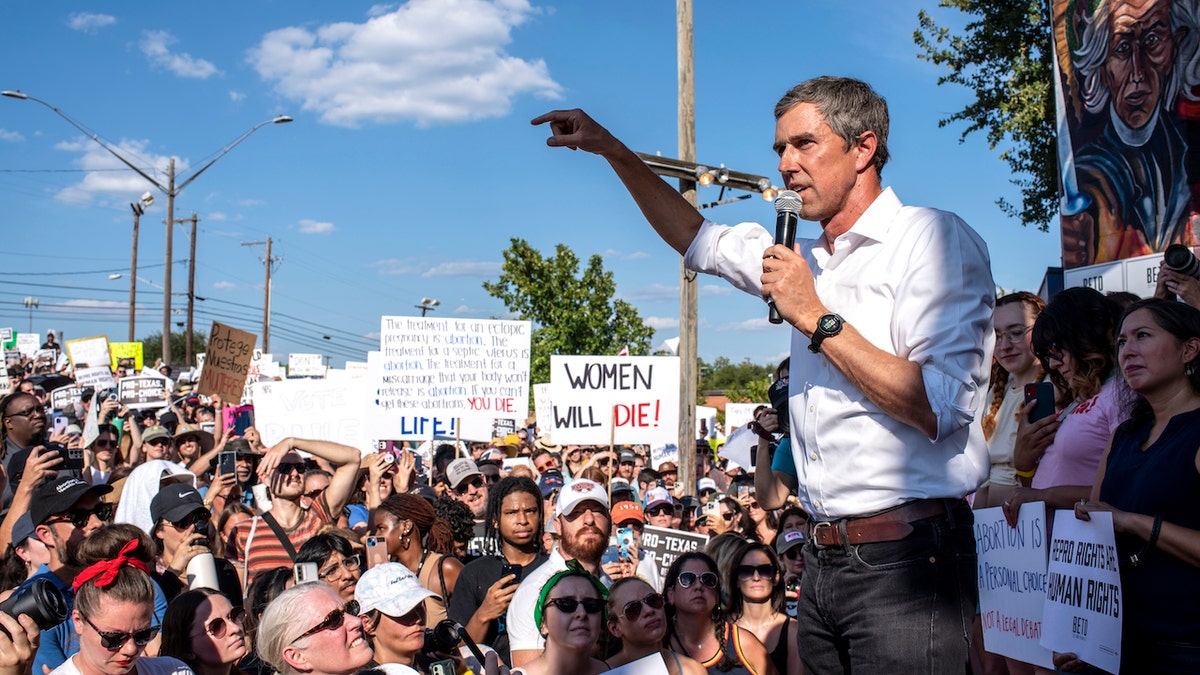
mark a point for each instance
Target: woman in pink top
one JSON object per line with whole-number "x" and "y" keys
{"x": 1057, "y": 456}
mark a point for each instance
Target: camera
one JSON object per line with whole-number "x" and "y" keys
{"x": 41, "y": 600}
{"x": 778, "y": 395}
{"x": 1179, "y": 258}
{"x": 441, "y": 639}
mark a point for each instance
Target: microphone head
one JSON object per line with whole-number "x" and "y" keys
{"x": 788, "y": 202}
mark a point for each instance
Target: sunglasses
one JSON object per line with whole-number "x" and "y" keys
{"x": 476, "y": 482}
{"x": 28, "y": 413}
{"x": 104, "y": 443}
{"x": 728, "y": 515}
{"x": 602, "y": 462}
{"x": 794, "y": 553}
{"x": 80, "y": 517}
{"x": 195, "y": 518}
{"x": 349, "y": 564}
{"x": 159, "y": 441}
{"x": 285, "y": 468}
{"x": 747, "y": 572}
{"x": 569, "y": 605}
{"x": 220, "y": 625}
{"x": 332, "y": 620}
{"x": 633, "y": 609}
{"x": 114, "y": 640}
{"x": 660, "y": 510}
{"x": 688, "y": 578}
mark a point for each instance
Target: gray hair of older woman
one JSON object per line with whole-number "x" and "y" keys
{"x": 283, "y": 622}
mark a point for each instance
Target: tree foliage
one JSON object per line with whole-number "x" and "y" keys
{"x": 743, "y": 378}
{"x": 152, "y": 347}
{"x": 1004, "y": 56}
{"x": 571, "y": 313}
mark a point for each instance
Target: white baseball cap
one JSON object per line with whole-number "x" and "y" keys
{"x": 390, "y": 588}
{"x": 577, "y": 491}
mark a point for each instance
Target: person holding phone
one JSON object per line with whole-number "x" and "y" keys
{"x": 182, "y": 531}
{"x": 1057, "y": 457}
{"x": 487, "y": 584}
{"x": 338, "y": 564}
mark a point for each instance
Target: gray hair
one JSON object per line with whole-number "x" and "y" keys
{"x": 1093, "y": 52}
{"x": 850, "y": 107}
{"x": 284, "y": 621}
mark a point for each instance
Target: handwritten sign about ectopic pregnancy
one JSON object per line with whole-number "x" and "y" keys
{"x": 628, "y": 399}
{"x": 473, "y": 370}
{"x": 1012, "y": 582}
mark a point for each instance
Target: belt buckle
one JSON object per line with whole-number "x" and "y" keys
{"x": 816, "y": 537}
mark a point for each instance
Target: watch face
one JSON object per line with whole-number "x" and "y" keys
{"x": 828, "y": 323}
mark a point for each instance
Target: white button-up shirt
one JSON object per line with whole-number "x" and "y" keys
{"x": 916, "y": 283}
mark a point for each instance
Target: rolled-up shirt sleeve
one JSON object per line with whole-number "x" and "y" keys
{"x": 733, "y": 253}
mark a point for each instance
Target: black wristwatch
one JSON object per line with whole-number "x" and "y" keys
{"x": 827, "y": 326}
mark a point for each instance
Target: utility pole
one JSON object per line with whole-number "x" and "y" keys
{"x": 138, "y": 210}
{"x": 267, "y": 262}
{"x": 191, "y": 292}
{"x": 166, "y": 330}
{"x": 687, "y": 278}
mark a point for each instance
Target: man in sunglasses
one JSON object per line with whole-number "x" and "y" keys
{"x": 468, "y": 485}
{"x": 582, "y": 520}
{"x": 24, "y": 423}
{"x": 158, "y": 443}
{"x": 64, "y": 511}
{"x": 256, "y": 547}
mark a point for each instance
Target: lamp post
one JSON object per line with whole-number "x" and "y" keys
{"x": 139, "y": 208}
{"x": 31, "y": 303}
{"x": 428, "y": 305}
{"x": 170, "y": 189}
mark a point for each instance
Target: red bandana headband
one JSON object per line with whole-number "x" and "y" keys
{"x": 105, "y": 571}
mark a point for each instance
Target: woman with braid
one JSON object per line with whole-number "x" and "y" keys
{"x": 421, "y": 541}
{"x": 1013, "y": 367}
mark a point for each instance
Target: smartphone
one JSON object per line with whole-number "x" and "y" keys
{"x": 624, "y": 542}
{"x": 60, "y": 423}
{"x": 72, "y": 457}
{"x": 443, "y": 667}
{"x": 226, "y": 463}
{"x": 743, "y": 491}
{"x": 1044, "y": 393}
{"x": 612, "y": 554}
{"x": 508, "y": 568}
{"x": 210, "y": 427}
{"x": 376, "y": 551}
{"x": 304, "y": 572}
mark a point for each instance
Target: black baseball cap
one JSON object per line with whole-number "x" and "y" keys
{"x": 59, "y": 495}
{"x": 174, "y": 502}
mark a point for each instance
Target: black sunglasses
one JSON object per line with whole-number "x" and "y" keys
{"x": 476, "y": 482}
{"x": 198, "y": 517}
{"x": 660, "y": 510}
{"x": 688, "y": 578}
{"x": 332, "y": 620}
{"x": 569, "y": 605}
{"x": 80, "y": 517}
{"x": 285, "y": 468}
{"x": 747, "y": 572}
{"x": 115, "y": 640}
{"x": 218, "y": 626}
{"x": 794, "y": 553}
{"x": 633, "y": 609}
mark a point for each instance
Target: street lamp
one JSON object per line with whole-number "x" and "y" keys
{"x": 139, "y": 208}
{"x": 171, "y": 190}
{"x": 428, "y": 305}
{"x": 31, "y": 303}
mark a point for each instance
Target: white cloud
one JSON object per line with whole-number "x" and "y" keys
{"x": 653, "y": 293}
{"x": 661, "y": 322}
{"x": 97, "y": 304}
{"x": 251, "y": 202}
{"x": 224, "y": 285}
{"x": 760, "y": 323}
{"x": 715, "y": 290}
{"x": 107, "y": 177}
{"x": 467, "y": 310}
{"x": 218, "y": 216}
{"x": 463, "y": 269}
{"x": 380, "y": 10}
{"x": 373, "y": 335}
{"x": 89, "y": 23}
{"x": 155, "y": 45}
{"x": 396, "y": 266}
{"x": 11, "y": 136}
{"x": 426, "y": 61}
{"x": 308, "y": 226}
{"x": 236, "y": 96}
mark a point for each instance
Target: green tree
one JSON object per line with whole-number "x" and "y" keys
{"x": 570, "y": 313}
{"x": 725, "y": 376}
{"x": 1004, "y": 55}
{"x": 152, "y": 347}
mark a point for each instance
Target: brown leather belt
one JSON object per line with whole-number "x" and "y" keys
{"x": 892, "y": 525}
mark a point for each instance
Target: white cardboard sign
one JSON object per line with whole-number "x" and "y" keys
{"x": 631, "y": 399}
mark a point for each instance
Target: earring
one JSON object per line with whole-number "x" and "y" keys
{"x": 1190, "y": 369}
{"x": 404, "y": 540}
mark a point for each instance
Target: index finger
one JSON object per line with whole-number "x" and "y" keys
{"x": 552, "y": 116}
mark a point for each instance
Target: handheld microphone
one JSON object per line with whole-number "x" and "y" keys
{"x": 787, "y": 214}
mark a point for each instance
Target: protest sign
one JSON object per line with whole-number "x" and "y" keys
{"x": 1012, "y": 582}
{"x": 647, "y": 665}
{"x": 637, "y": 396}
{"x": 319, "y": 409}
{"x": 503, "y": 427}
{"x": 666, "y": 544}
{"x": 1082, "y": 613}
{"x": 124, "y": 352}
{"x": 27, "y": 343}
{"x": 5, "y": 384}
{"x": 400, "y": 424}
{"x": 542, "y": 410}
{"x": 739, "y": 415}
{"x": 741, "y": 448}
{"x": 473, "y": 370}
{"x": 90, "y": 352}
{"x": 139, "y": 392}
{"x": 706, "y": 422}
{"x": 8, "y": 338}
{"x": 663, "y": 452}
{"x": 356, "y": 369}
{"x": 227, "y": 362}
{"x": 45, "y": 357}
{"x": 65, "y": 398}
{"x": 306, "y": 365}
{"x": 99, "y": 378}
{"x": 236, "y": 419}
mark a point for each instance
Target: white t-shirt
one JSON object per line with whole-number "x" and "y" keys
{"x": 523, "y": 633}
{"x": 146, "y": 665}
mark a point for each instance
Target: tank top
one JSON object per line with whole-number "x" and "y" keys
{"x": 740, "y": 665}
{"x": 779, "y": 655}
{"x": 435, "y": 608}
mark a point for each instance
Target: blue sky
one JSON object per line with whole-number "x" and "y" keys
{"x": 411, "y": 162}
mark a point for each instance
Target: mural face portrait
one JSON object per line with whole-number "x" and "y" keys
{"x": 1141, "y": 51}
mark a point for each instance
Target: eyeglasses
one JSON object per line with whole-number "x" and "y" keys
{"x": 688, "y": 578}
{"x": 633, "y": 609}
{"x": 28, "y": 413}
{"x": 794, "y": 553}
{"x": 349, "y": 564}
{"x": 332, "y": 620}
{"x": 746, "y": 572}
{"x": 569, "y": 605}
{"x": 104, "y": 443}
{"x": 728, "y": 515}
{"x": 198, "y": 517}
{"x": 80, "y": 517}
{"x": 476, "y": 482}
{"x": 220, "y": 625}
{"x": 547, "y": 466}
{"x": 285, "y": 468}
{"x": 112, "y": 641}
{"x": 1013, "y": 336}
{"x": 660, "y": 510}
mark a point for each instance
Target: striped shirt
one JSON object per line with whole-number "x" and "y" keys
{"x": 266, "y": 551}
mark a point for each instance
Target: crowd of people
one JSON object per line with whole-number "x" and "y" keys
{"x": 179, "y": 544}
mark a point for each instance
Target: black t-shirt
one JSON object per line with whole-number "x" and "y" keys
{"x": 471, "y": 589}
